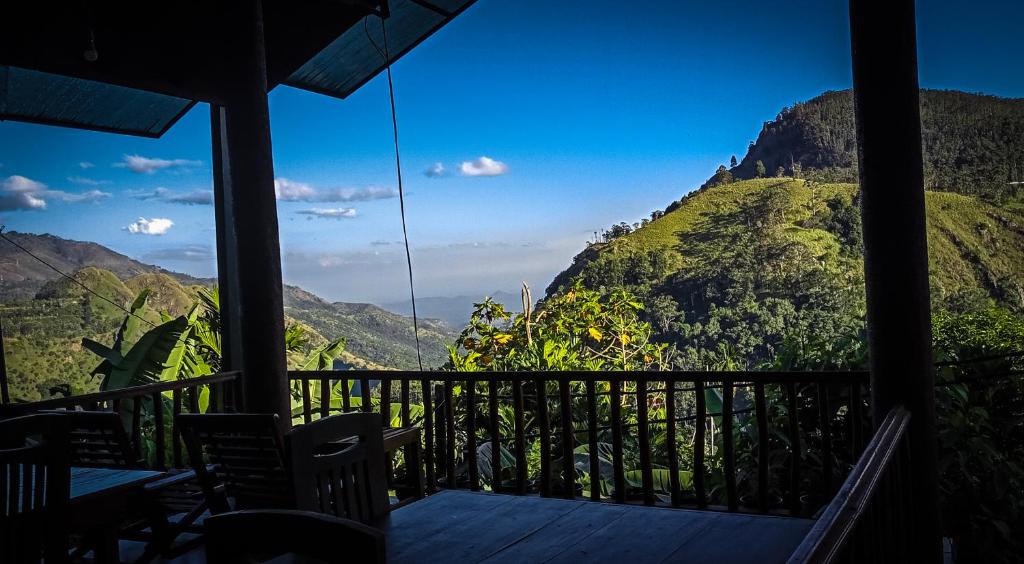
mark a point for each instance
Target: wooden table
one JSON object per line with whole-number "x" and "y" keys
{"x": 462, "y": 526}
{"x": 100, "y": 500}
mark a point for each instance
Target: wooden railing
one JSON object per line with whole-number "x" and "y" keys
{"x": 869, "y": 520}
{"x": 150, "y": 408}
{"x": 765, "y": 442}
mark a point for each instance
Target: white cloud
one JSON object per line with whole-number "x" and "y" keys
{"x": 190, "y": 253}
{"x": 158, "y": 192}
{"x": 435, "y": 170}
{"x": 194, "y": 198}
{"x": 483, "y": 166}
{"x": 84, "y": 197}
{"x": 85, "y": 164}
{"x": 21, "y": 193}
{"x": 329, "y": 213}
{"x": 86, "y": 181}
{"x": 292, "y": 191}
{"x": 155, "y": 226}
{"x": 148, "y": 165}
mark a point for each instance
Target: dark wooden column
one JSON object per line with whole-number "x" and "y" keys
{"x": 895, "y": 241}
{"x": 247, "y": 233}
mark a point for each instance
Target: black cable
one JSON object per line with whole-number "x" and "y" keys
{"x": 401, "y": 191}
{"x": 72, "y": 278}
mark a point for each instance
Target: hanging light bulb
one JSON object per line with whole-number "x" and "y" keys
{"x": 91, "y": 54}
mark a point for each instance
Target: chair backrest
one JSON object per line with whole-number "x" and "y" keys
{"x": 260, "y": 535}
{"x": 97, "y": 439}
{"x": 246, "y": 453}
{"x": 338, "y": 467}
{"x": 35, "y": 484}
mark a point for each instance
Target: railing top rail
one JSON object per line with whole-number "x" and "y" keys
{"x": 829, "y": 533}
{"x": 121, "y": 393}
{"x": 745, "y": 376}
{"x": 978, "y": 359}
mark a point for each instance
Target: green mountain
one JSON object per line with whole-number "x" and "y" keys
{"x": 740, "y": 267}
{"x": 45, "y": 316}
{"x": 972, "y": 143}
{"x": 748, "y": 265}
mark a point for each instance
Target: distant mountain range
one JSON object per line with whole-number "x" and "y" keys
{"x": 453, "y": 311}
{"x": 375, "y": 336}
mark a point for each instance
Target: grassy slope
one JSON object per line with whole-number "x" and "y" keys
{"x": 971, "y": 243}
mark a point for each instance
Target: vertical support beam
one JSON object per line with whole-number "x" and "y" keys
{"x": 247, "y": 231}
{"x": 886, "y": 95}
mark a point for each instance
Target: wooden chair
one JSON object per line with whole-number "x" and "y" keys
{"x": 239, "y": 459}
{"x": 260, "y": 535}
{"x": 97, "y": 439}
{"x": 334, "y": 474}
{"x": 35, "y": 483}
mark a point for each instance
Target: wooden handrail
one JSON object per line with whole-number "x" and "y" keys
{"x": 735, "y": 377}
{"x": 833, "y": 531}
{"x": 122, "y": 393}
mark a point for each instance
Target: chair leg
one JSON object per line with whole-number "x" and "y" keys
{"x": 414, "y": 468}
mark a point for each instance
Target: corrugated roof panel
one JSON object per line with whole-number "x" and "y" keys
{"x": 38, "y": 97}
{"x": 356, "y": 56}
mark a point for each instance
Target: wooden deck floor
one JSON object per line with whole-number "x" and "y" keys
{"x": 460, "y": 526}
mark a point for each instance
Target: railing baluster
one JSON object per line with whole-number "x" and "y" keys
{"x": 644, "y": 435}
{"x": 670, "y": 440}
{"x": 495, "y": 431}
{"x": 795, "y": 456}
{"x": 175, "y": 432}
{"x": 136, "y": 438}
{"x": 307, "y": 402}
{"x": 158, "y": 430}
{"x": 471, "y": 462}
{"x": 449, "y": 419}
{"x": 325, "y": 397}
{"x": 405, "y": 403}
{"x": 428, "y": 436}
{"x": 364, "y": 393}
{"x": 761, "y": 413}
{"x": 856, "y": 422}
{"x": 568, "y": 439}
{"x": 520, "y": 440}
{"x": 825, "y": 420}
{"x": 346, "y": 395}
{"x": 698, "y": 444}
{"x": 385, "y": 402}
{"x": 440, "y": 438}
{"x": 595, "y": 465}
{"x": 728, "y": 450}
{"x": 193, "y": 399}
{"x": 545, "y": 438}
{"x": 618, "y": 467}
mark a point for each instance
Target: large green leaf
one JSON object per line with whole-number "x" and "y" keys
{"x": 322, "y": 357}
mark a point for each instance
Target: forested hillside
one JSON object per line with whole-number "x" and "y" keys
{"x": 45, "y": 316}
{"x": 736, "y": 270}
{"x": 973, "y": 144}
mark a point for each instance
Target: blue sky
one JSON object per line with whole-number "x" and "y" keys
{"x": 590, "y": 115}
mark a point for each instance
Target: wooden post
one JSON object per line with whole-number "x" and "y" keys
{"x": 5, "y": 393}
{"x": 886, "y": 95}
{"x": 247, "y": 232}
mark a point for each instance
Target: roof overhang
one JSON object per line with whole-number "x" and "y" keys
{"x": 156, "y": 60}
